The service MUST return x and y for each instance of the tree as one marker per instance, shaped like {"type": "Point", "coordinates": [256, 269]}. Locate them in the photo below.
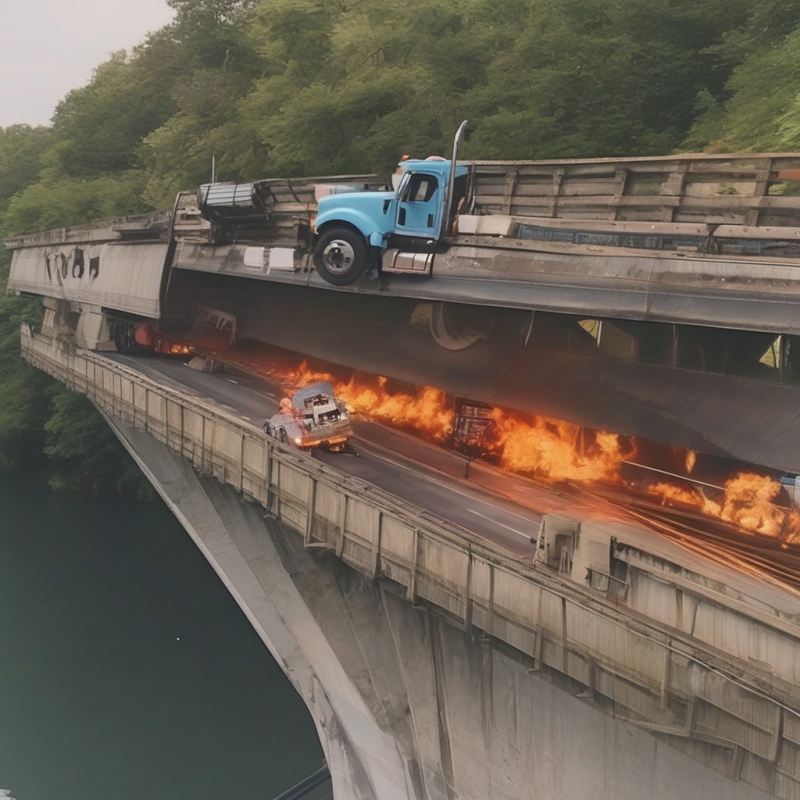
{"type": "Point", "coordinates": [24, 391]}
{"type": "Point", "coordinates": [55, 203]}
{"type": "Point", "coordinates": [21, 149]}
{"type": "Point", "coordinates": [762, 112]}
{"type": "Point", "coordinates": [99, 127]}
{"type": "Point", "coordinates": [585, 78]}
{"type": "Point", "coordinates": [83, 453]}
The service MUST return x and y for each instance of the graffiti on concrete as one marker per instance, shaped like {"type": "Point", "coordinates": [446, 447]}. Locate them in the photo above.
{"type": "Point", "coordinates": [60, 266]}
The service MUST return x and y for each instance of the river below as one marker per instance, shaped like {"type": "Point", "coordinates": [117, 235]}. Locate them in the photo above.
{"type": "Point", "coordinates": [126, 669]}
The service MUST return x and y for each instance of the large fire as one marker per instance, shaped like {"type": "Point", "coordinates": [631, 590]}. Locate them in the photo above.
{"type": "Point", "coordinates": [557, 451]}
{"type": "Point", "coordinates": [748, 501]}
{"type": "Point", "coordinates": [549, 449]}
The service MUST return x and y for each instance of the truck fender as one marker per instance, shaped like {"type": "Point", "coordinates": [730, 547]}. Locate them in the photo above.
{"type": "Point", "coordinates": [352, 218]}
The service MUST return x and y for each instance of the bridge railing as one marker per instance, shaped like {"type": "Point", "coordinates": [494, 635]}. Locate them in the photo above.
{"type": "Point", "coordinates": [746, 189]}
{"type": "Point", "coordinates": [631, 666]}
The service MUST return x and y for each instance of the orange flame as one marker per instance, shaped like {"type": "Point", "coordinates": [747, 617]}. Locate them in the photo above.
{"type": "Point", "coordinates": [554, 450]}
{"type": "Point", "coordinates": [549, 449]}
{"type": "Point", "coordinates": [747, 502]}
{"type": "Point", "coordinates": [427, 411]}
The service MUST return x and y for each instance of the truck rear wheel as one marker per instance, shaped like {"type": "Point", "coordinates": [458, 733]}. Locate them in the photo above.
{"type": "Point", "coordinates": [340, 256]}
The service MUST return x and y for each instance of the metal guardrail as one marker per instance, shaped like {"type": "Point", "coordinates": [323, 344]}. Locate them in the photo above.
{"type": "Point", "coordinates": [625, 664]}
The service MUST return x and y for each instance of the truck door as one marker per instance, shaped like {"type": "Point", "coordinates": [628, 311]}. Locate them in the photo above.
{"type": "Point", "coordinates": [419, 205]}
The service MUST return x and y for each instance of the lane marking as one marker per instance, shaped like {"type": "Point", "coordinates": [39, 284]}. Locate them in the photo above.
{"type": "Point", "coordinates": [450, 488]}
{"type": "Point", "coordinates": [500, 524]}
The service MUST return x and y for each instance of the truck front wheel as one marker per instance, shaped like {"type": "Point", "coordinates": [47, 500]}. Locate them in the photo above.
{"type": "Point", "coordinates": [340, 256]}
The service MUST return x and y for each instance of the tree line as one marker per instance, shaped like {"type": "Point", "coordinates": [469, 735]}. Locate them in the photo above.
{"type": "Point", "coordinates": [310, 87]}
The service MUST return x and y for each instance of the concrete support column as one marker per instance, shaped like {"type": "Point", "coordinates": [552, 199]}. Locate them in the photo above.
{"type": "Point", "coordinates": [412, 584]}
{"type": "Point", "coordinates": [664, 702]}
{"type": "Point", "coordinates": [343, 498]}
{"type": "Point", "coordinates": [468, 591]}
{"type": "Point", "coordinates": [311, 501]}
{"type": "Point", "coordinates": [777, 738]}
{"type": "Point", "coordinates": [182, 449]}
{"type": "Point", "coordinates": [376, 544]}
{"type": "Point", "coordinates": [539, 654]}
{"type": "Point", "coordinates": [203, 446]}
{"type": "Point", "coordinates": [268, 460]}
{"type": "Point", "coordinates": [490, 607]}
{"type": "Point", "coordinates": [241, 463]}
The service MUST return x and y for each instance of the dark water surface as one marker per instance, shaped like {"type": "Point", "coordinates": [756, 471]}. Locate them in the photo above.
{"type": "Point", "coordinates": [126, 669]}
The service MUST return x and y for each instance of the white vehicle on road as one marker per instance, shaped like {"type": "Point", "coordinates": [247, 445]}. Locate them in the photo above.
{"type": "Point", "coordinates": [314, 417]}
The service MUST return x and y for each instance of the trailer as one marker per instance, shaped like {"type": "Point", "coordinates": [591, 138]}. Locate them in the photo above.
{"type": "Point", "coordinates": [717, 206]}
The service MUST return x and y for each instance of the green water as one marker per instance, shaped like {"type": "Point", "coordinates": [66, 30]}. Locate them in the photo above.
{"type": "Point", "coordinates": [126, 669]}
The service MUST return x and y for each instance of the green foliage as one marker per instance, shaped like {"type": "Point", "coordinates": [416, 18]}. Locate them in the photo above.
{"type": "Point", "coordinates": [179, 153]}
{"type": "Point", "coordinates": [72, 201]}
{"type": "Point", "coordinates": [584, 78]}
{"type": "Point", "coordinates": [302, 87]}
{"type": "Point", "coordinates": [100, 126]}
{"type": "Point", "coordinates": [46, 432]}
{"type": "Point", "coordinates": [21, 149]}
{"type": "Point", "coordinates": [83, 453]}
{"type": "Point", "coordinates": [211, 31]}
{"type": "Point", "coordinates": [762, 112]}
{"type": "Point", "coordinates": [23, 390]}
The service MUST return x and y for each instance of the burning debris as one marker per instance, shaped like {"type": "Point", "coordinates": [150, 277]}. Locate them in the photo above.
{"type": "Point", "coordinates": [558, 452]}
{"type": "Point", "coordinates": [747, 501]}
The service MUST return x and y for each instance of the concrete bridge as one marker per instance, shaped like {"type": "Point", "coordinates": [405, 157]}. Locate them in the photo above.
{"type": "Point", "coordinates": [438, 666]}
{"type": "Point", "coordinates": [646, 296]}
{"type": "Point", "coordinates": [436, 662]}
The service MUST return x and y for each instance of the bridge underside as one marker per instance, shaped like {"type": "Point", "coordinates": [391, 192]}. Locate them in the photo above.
{"type": "Point", "coordinates": [725, 393]}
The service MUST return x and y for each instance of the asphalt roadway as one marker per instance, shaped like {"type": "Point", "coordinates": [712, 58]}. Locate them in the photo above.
{"type": "Point", "coordinates": [494, 505]}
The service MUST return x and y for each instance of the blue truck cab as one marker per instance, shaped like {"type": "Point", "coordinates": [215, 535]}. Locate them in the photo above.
{"type": "Point", "coordinates": [354, 230]}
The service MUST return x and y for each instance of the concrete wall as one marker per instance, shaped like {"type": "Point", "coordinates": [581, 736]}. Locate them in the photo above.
{"type": "Point", "coordinates": [119, 275]}
{"type": "Point", "coordinates": [623, 652]}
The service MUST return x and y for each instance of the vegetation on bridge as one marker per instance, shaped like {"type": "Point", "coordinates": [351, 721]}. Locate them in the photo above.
{"type": "Point", "coordinates": [304, 87]}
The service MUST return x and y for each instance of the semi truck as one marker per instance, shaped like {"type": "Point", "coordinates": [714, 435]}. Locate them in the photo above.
{"type": "Point", "coordinates": [312, 418]}
{"type": "Point", "coordinates": [436, 209]}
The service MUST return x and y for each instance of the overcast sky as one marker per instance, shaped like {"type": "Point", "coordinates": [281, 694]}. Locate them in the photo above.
{"type": "Point", "coordinates": [50, 47]}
